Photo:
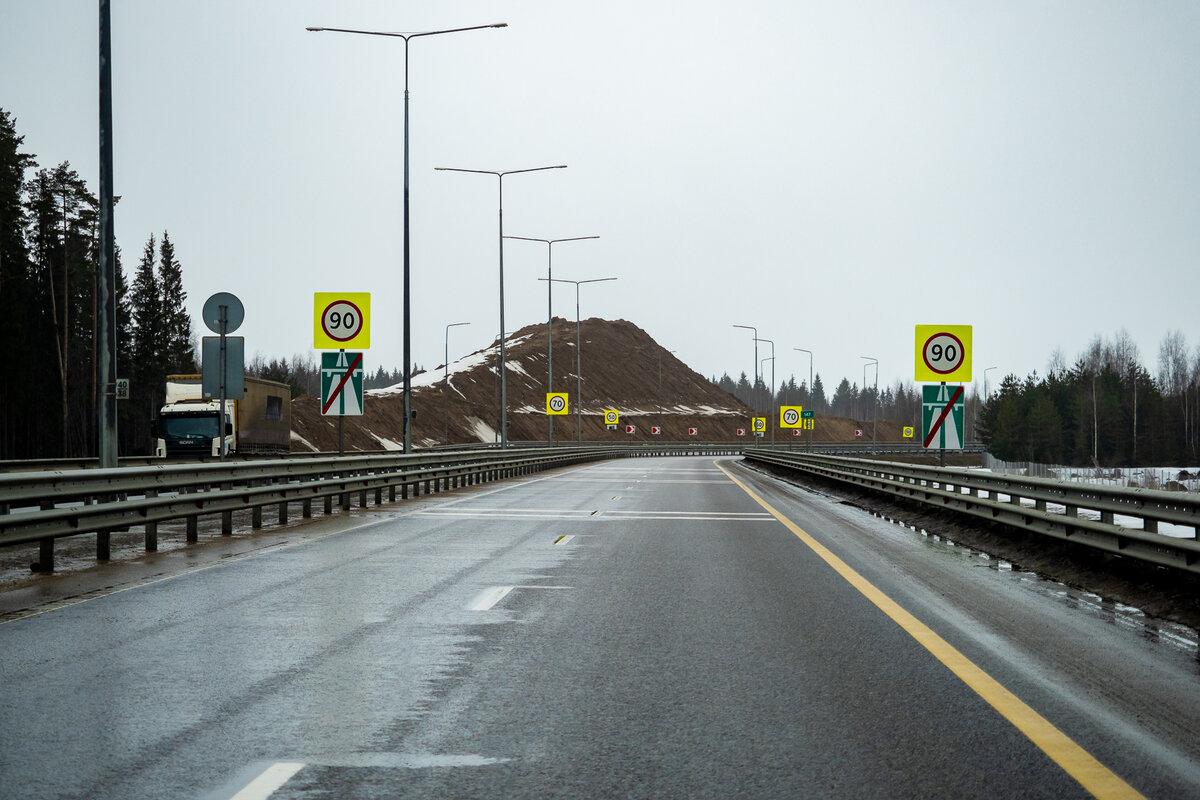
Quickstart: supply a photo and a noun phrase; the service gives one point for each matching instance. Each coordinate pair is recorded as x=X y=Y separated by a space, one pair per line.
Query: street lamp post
x=660 y=352
x=875 y=403
x=446 y=380
x=578 y=353
x=550 y=314
x=407 y=305
x=754 y=389
x=811 y=407
x=771 y=405
x=503 y=377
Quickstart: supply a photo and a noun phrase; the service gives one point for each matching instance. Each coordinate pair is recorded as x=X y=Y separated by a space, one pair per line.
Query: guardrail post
x=45 y=561
x=283 y=512
x=362 y=498
x=256 y=517
x=378 y=495
x=328 y=504
x=1071 y=511
x=391 y=492
x=226 y=516
x=193 y=529
x=306 y=508
x=151 y=528
x=1150 y=525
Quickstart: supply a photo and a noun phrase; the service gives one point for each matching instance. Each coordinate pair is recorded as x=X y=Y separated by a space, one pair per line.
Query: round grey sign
x=234 y=312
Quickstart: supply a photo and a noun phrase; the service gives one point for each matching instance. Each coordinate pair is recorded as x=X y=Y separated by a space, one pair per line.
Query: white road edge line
x=269 y=780
x=489 y=597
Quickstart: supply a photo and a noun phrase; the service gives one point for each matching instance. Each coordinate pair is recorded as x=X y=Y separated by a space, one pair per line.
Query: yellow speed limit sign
x=556 y=403
x=908 y=432
x=790 y=417
x=943 y=354
x=611 y=417
x=341 y=320
x=759 y=424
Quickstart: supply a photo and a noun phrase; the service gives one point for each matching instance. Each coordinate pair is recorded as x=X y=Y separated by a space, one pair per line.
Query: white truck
x=189 y=425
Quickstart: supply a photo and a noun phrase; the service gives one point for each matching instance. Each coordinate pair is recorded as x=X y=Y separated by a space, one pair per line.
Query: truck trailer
x=191 y=424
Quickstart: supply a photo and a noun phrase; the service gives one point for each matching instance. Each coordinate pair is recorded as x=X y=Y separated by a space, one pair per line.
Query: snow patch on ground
x=298 y=438
x=387 y=444
x=464 y=364
x=483 y=431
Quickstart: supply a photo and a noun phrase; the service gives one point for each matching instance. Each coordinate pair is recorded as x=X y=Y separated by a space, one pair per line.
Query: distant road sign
x=858 y=432
x=790 y=416
x=692 y=431
x=795 y=431
x=740 y=431
x=655 y=430
x=341 y=320
x=122 y=388
x=556 y=403
x=807 y=415
x=630 y=428
x=759 y=424
x=908 y=432
x=611 y=417
x=943 y=353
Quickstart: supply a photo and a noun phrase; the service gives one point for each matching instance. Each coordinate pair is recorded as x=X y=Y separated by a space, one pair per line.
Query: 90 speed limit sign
x=341 y=320
x=943 y=353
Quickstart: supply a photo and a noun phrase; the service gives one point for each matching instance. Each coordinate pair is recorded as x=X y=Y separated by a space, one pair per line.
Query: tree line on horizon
x=49 y=271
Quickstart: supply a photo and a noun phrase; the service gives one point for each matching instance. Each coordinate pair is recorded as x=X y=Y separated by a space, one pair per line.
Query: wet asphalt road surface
x=636 y=628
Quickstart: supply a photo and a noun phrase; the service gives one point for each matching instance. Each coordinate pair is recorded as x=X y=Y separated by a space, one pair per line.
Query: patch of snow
x=388 y=444
x=298 y=438
x=483 y=431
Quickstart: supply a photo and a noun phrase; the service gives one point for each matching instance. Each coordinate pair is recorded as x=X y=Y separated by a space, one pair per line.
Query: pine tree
x=149 y=365
x=176 y=339
x=819 y=403
x=18 y=386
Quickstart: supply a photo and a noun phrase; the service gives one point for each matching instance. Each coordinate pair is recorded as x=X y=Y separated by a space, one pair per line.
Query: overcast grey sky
x=832 y=173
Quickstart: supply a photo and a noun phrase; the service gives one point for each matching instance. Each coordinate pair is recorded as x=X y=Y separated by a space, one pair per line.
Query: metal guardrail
x=40 y=506
x=855 y=447
x=1000 y=498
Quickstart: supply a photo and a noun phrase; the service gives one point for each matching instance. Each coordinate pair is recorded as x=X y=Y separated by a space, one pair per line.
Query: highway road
x=673 y=627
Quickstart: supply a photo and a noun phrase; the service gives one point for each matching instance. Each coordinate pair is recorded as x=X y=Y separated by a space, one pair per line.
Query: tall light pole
x=986 y=395
x=771 y=405
x=875 y=404
x=754 y=391
x=811 y=407
x=578 y=353
x=407 y=304
x=446 y=379
x=985 y=383
x=550 y=314
x=660 y=352
x=503 y=377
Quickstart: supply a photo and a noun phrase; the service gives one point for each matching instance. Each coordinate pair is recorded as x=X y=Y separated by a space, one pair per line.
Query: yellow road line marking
x=1077 y=762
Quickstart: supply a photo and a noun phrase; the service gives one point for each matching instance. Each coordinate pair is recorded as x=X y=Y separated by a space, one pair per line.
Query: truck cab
x=192 y=429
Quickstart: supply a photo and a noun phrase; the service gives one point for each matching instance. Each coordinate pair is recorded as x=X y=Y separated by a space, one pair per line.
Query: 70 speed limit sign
x=943 y=353
x=789 y=417
x=341 y=320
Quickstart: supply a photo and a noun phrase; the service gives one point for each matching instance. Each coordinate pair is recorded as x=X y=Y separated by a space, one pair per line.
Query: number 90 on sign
x=343 y=319
x=943 y=353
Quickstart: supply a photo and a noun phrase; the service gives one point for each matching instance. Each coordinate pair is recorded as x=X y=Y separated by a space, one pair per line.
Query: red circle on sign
x=325 y=321
x=962 y=353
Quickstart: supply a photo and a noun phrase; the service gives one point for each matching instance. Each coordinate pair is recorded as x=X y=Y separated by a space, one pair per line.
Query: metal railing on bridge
x=1075 y=512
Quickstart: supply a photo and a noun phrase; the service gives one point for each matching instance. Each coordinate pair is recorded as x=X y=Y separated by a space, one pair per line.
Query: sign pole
x=342 y=421
x=942 y=451
x=224 y=323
